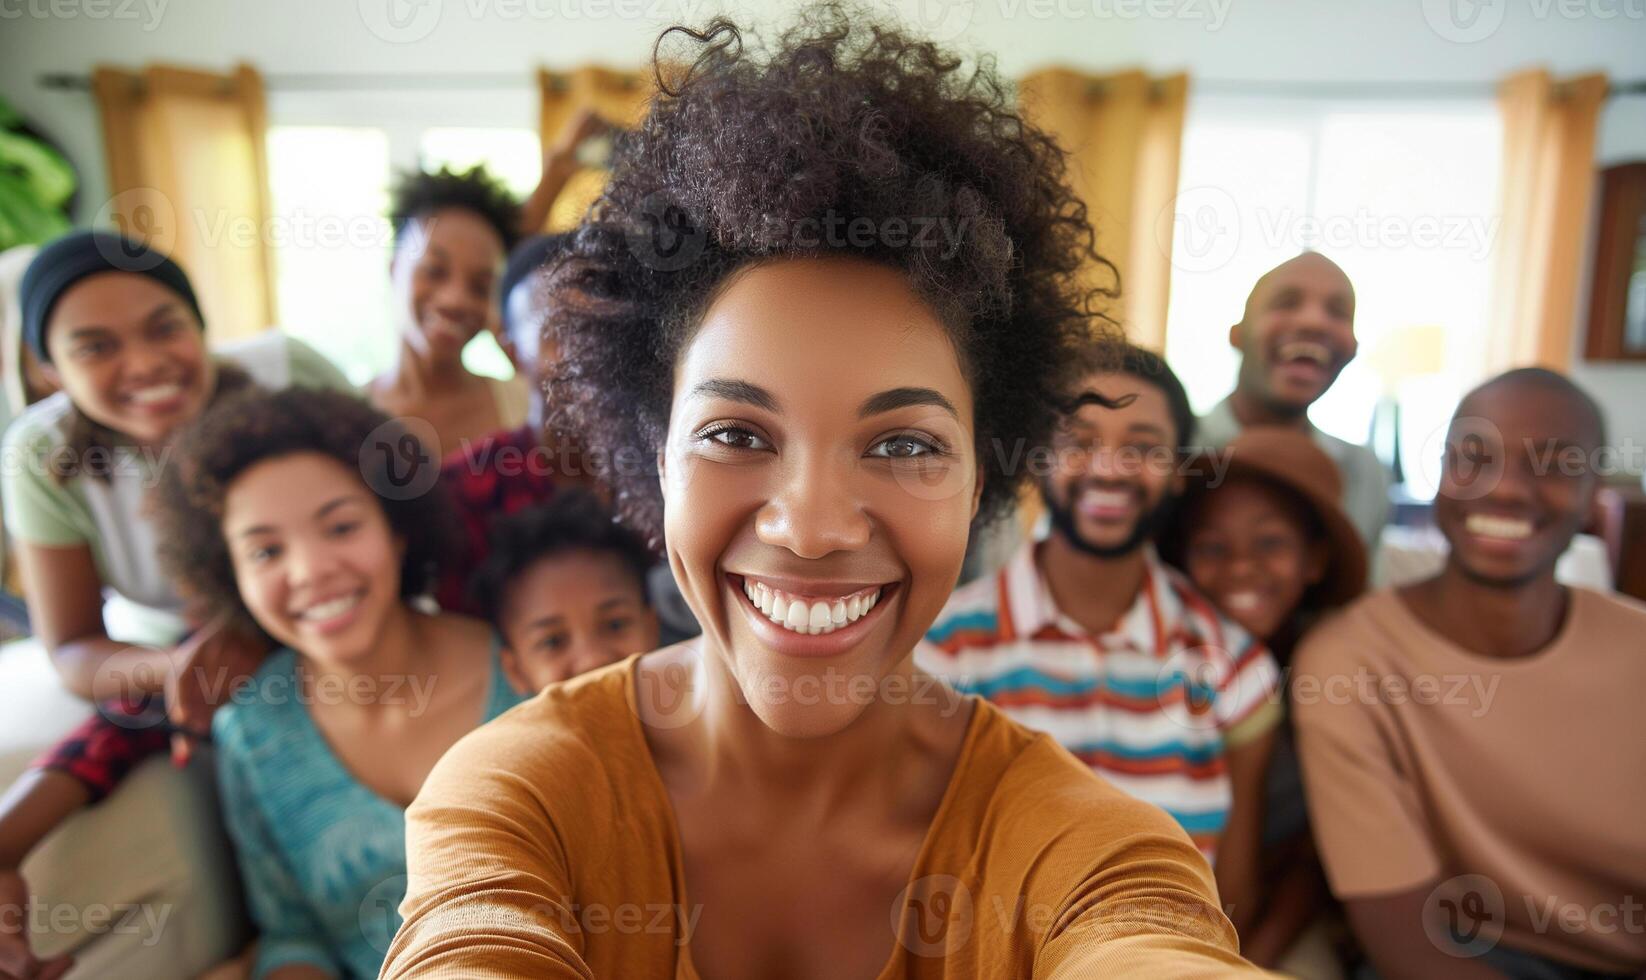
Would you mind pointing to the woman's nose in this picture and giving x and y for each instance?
(815, 511)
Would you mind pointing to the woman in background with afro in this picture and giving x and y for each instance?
(823, 296)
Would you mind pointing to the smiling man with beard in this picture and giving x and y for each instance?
(1295, 337)
(1086, 635)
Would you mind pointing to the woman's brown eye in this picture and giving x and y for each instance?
(903, 447)
(735, 438)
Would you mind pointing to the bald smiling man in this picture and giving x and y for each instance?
(1295, 337)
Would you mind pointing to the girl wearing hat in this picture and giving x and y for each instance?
(1262, 535)
(116, 325)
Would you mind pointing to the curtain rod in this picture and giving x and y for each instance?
(366, 81)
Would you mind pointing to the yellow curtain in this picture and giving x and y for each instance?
(1123, 133)
(619, 97)
(1546, 183)
(188, 171)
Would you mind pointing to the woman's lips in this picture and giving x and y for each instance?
(835, 636)
(334, 615)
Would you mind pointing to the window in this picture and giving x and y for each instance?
(1404, 198)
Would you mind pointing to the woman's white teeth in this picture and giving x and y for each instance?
(810, 617)
(156, 393)
(1503, 528)
(331, 608)
(1243, 601)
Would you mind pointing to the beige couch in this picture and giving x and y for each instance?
(140, 886)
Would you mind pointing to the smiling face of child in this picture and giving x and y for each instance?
(318, 570)
(570, 613)
(819, 479)
(1249, 552)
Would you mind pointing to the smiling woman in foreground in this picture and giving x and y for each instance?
(831, 393)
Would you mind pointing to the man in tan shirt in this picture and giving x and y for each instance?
(1472, 745)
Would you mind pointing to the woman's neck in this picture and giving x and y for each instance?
(883, 756)
(396, 652)
(416, 373)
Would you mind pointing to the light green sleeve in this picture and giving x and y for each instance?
(38, 509)
(310, 369)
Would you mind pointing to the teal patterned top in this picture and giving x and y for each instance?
(323, 857)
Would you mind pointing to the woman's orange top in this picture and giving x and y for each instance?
(544, 846)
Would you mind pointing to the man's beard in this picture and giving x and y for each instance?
(1148, 524)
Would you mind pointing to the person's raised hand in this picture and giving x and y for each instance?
(583, 125)
(207, 668)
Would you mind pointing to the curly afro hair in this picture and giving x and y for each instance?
(418, 194)
(575, 520)
(745, 158)
(252, 425)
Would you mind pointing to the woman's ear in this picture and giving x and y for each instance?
(977, 491)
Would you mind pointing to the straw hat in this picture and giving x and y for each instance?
(1288, 458)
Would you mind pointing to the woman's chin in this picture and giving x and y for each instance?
(806, 699)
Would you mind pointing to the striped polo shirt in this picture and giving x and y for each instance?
(1151, 705)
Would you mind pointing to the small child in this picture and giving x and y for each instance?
(565, 587)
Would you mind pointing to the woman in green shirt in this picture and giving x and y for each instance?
(116, 324)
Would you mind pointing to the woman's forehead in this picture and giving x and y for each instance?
(824, 329)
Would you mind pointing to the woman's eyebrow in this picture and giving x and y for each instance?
(896, 398)
(732, 389)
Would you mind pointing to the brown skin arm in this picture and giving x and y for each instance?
(1298, 895)
(1239, 882)
(1390, 930)
(65, 596)
(559, 164)
(37, 802)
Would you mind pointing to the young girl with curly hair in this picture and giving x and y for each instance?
(296, 513)
(825, 294)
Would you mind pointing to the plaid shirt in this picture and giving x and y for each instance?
(500, 475)
(1152, 704)
(106, 747)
